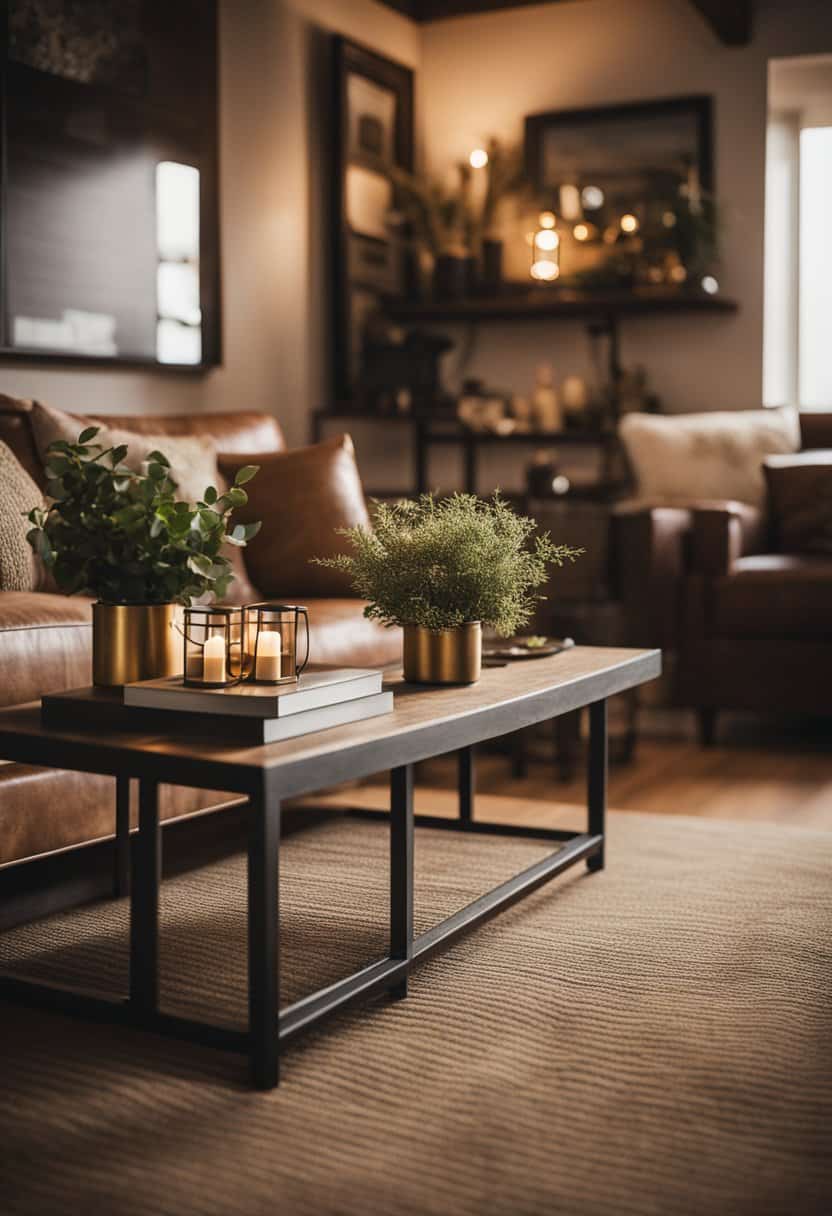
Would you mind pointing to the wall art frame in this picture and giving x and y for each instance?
(372, 132)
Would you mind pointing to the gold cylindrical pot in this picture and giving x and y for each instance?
(450, 656)
(134, 642)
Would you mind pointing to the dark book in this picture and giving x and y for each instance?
(84, 709)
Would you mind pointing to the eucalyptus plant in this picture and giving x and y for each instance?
(442, 562)
(123, 536)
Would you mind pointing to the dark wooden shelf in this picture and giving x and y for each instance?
(557, 302)
(461, 435)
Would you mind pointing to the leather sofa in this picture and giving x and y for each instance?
(751, 626)
(46, 642)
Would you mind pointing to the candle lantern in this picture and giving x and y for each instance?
(213, 643)
(271, 643)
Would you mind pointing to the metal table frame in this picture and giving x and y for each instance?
(265, 783)
(140, 1008)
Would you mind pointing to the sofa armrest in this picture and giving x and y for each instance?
(649, 548)
(723, 533)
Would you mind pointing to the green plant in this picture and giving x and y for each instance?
(439, 563)
(123, 537)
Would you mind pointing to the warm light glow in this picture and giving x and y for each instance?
(669, 219)
(478, 158)
(678, 274)
(545, 271)
(546, 239)
(629, 223)
(710, 285)
(547, 219)
(268, 656)
(581, 232)
(592, 197)
(560, 484)
(610, 235)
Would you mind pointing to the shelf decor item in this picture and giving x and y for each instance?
(212, 646)
(444, 568)
(271, 643)
(122, 537)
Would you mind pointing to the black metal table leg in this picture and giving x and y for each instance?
(121, 867)
(144, 904)
(401, 869)
(597, 778)
(467, 783)
(263, 940)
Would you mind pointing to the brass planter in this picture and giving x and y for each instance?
(134, 642)
(451, 656)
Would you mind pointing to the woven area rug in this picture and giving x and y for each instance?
(656, 1039)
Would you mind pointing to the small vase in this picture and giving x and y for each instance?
(134, 642)
(449, 656)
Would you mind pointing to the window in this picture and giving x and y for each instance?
(797, 335)
(815, 303)
(179, 320)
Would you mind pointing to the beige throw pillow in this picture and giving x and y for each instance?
(18, 493)
(193, 458)
(683, 457)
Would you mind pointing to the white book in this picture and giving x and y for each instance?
(276, 730)
(315, 689)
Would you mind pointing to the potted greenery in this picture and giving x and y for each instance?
(123, 537)
(443, 568)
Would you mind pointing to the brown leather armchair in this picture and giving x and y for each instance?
(751, 626)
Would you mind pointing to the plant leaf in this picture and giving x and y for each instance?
(245, 474)
(88, 433)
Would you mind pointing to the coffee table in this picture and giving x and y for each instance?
(427, 722)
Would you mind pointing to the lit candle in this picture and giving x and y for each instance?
(268, 656)
(213, 660)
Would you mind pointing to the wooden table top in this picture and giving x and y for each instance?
(427, 721)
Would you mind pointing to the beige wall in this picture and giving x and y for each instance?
(272, 87)
(482, 75)
(478, 76)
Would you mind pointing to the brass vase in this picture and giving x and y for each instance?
(449, 656)
(134, 642)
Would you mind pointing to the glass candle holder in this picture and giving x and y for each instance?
(213, 646)
(271, 643)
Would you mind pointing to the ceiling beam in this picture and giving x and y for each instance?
(435, 10)
(729, 19)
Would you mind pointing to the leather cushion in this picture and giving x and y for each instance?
(302, 497)
(340, 635)
(774, 595)
(45, 644)
(800, 494)
(43, 810)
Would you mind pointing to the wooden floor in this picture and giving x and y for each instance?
(773, 772)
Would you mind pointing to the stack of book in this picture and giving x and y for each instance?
(323, 697)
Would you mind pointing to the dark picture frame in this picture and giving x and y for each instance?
(104, 112)
(372, 132)
(693, 114)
